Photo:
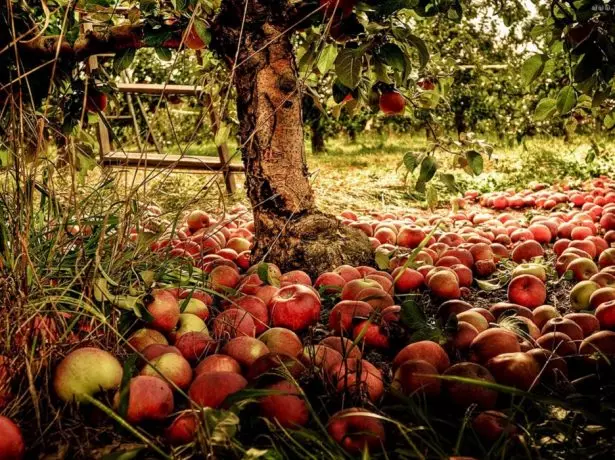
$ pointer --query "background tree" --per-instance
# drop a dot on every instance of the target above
(255, 38)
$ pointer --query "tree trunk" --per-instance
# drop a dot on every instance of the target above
(290, 231)
(318, 138)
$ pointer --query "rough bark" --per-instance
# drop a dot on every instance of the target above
(290, 231)
(111, 39)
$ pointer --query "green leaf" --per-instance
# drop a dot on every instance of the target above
(179, 5)
(532, 68)
(410, 161)
(421, 47)
(609, 120)
(123, 59)
(326, 58)
(600, 97)
(380, 71)
(545, 108)
(156, 37)
(393, 56)
(412, 315)
(164, 54)
(475, 162)
(348, 66)
(268, 275)
(200, 27)
(566, 100)
(391, 6)
(488, 286)
(382, 259)
(428, 169)
(149, 7)
(431, 197)
(6, 159)
(449, 181)
(222, 134)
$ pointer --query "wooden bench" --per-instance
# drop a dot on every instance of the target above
(113, 157)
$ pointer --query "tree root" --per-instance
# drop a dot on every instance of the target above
(314, 243)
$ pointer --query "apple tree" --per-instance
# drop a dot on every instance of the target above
(583, 32)
(369, 47)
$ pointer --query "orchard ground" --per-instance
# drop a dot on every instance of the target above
(367, 175)
(367, 179)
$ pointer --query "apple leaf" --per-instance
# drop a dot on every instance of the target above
(421, 47)
(124, 454)
(475, 162)
(326, 58)
(545, 108)
(393, 56)
(428, 169)
(412, 315)
(222, 134)
(164, 54)
(532, 68)
(382, 259)
(410, 161)
(348, 65)
(566, 100)
(123, 59)
(267, 275)
(202, 31)
(432, 197)
(609, 120)
(449, 181)
(488, 286)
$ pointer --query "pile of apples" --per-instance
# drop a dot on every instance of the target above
(253, 326)
(596, 192)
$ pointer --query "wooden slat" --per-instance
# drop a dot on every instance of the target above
(150, 88)
(223, 152)
(156, 160)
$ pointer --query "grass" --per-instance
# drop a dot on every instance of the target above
(52, 283)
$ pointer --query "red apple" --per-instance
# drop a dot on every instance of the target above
(183, 429)
(493, 342)
(195, 345)
(245, 350)
(391, 102)
(344, 346)
(282, 340)
(517, 370)
(416, 376)
(357, 430)
(358, 377)
(527, 291)
(557, 342)
(164, 310)
(143, 338)
(217, 363)
(295, 307)
(232, 323)
(149, 399)
(464, 394)
(329, 283)
(425, 350)
(492, 425)
(12, 446)
(210, 389)
(288, 407)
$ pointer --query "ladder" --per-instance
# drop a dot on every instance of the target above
(145, 159)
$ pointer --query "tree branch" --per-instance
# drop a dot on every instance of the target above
(110, 40)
